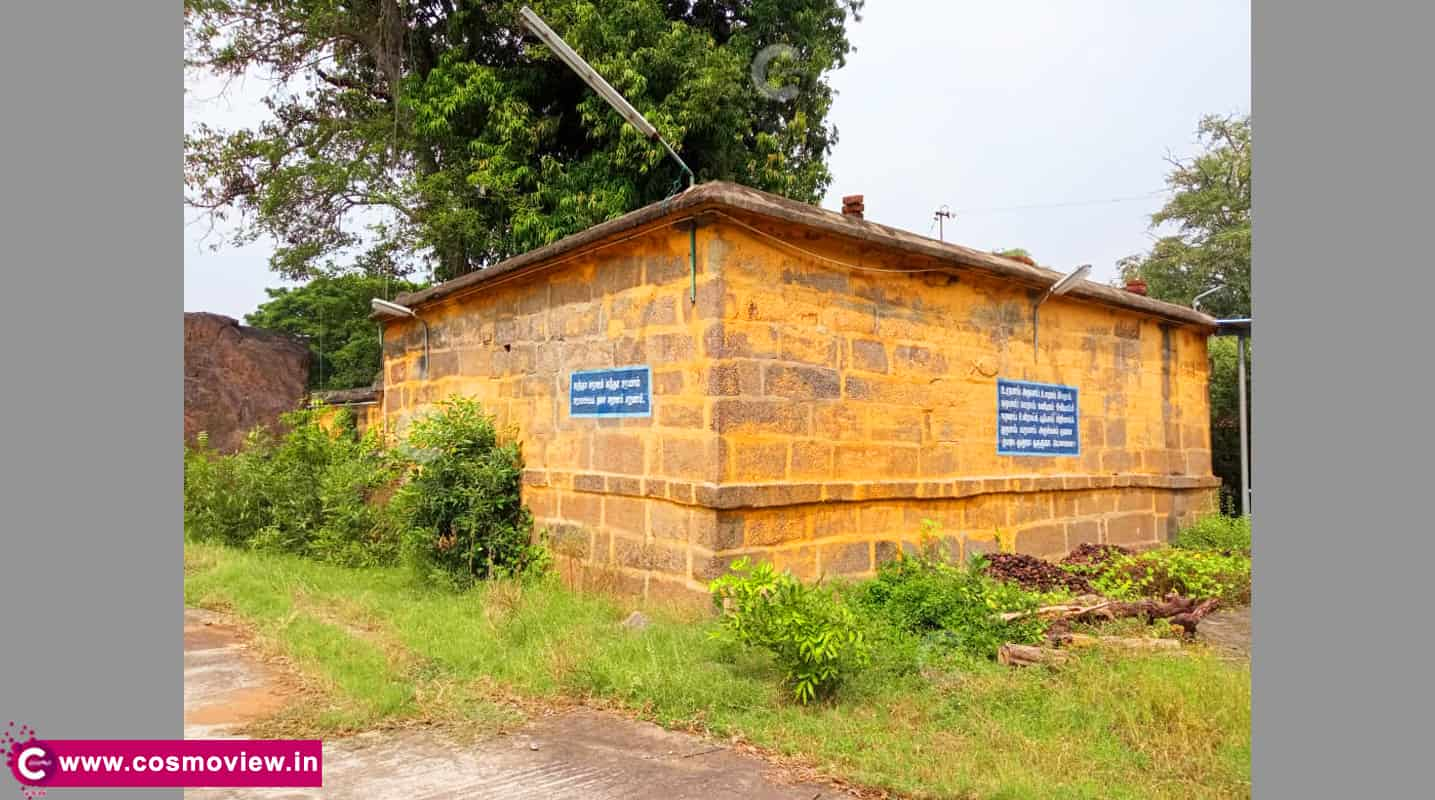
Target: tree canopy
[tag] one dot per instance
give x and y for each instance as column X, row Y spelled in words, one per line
column 1211, row 207
column 331, row 313
column 440, row 135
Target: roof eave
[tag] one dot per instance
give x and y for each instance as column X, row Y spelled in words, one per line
column 722, row 195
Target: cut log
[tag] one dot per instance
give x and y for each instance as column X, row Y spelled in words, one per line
column 1081, row 640
column 1025, row 655
column 1186, row 612
column 1061, row 611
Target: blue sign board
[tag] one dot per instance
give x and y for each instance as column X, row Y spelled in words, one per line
column 620, row 392
column 1037, row 419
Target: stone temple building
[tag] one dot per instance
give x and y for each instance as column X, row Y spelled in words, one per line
column 729, row 373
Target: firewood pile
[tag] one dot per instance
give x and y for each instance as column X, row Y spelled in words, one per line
column 1183, row 612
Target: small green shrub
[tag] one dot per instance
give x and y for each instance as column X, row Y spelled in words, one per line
column 1190, row 573
column 924, row 595
column 1217, row 532
column 812, row 634
column 461, row 510
column 224, row 494
column 307, row 493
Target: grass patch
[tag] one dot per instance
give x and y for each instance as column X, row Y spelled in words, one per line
column 389, row 652
column 1217, row 532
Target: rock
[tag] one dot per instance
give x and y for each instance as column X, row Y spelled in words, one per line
column 237, row 377
column 636, row 621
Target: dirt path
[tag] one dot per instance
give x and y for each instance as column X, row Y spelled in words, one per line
column 578, row 754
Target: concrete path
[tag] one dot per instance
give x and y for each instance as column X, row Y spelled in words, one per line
column 1228, row 630
column 578, row 754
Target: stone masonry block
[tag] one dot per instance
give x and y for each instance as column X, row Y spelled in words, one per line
column 728, row 340
column 1086, row 531
column 816, row 349
column 869, row 355
column 627, row 514
column 1132, row 528
column 734, row 378
column 750, row 460
column 1043, row 541
column 759, row 416
column 618, row 452
column 770, row 527
column 846, row 559
column 811, row 459
column 684, row 457
column 581, row 507
column 801, row 383
column 673, row 413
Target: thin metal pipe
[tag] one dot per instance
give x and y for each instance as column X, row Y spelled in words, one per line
column 1245, row 442
column 424, row 367
column 693, row 260
column 691, row 177
column 1196, row 301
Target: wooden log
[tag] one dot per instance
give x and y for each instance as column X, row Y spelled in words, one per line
column 1081, row 640
column 1025, row 655
column 1057, row 611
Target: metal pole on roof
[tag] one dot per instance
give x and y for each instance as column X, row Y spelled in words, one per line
column 620, row 104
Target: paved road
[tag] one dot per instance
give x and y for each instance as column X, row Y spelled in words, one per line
column 579, row 754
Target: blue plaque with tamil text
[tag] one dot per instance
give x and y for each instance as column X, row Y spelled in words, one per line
column 620, row 392
column 1037, row 419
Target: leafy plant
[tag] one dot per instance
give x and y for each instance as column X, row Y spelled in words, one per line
column 812, row 634
column 923, row 594
column 1191, row 573
column 461, row 507
column 309, row 492
column 1217, row 532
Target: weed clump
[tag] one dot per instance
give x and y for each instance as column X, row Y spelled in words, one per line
column 953, row 605
column 810, row 631
column 309, row 493
column 319, row 491
column 1218, row 533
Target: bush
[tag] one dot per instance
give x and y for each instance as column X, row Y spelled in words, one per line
column 1219, row 533
column 923, row 595
column 812, row 634
column 1190, row 573
column 461, row 510
column 308, row 493
column 224, row 495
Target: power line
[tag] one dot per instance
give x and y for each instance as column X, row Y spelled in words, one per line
column 1069, row 204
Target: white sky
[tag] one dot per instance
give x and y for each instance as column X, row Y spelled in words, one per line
column 976, row 105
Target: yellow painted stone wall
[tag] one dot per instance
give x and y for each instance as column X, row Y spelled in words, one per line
column 877, row 388
column 806, row 412
column 621, row 492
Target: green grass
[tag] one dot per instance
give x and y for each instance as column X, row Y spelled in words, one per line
column 1217, row 532
column 386, row 652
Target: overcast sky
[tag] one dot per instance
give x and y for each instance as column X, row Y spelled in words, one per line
column 988, row 108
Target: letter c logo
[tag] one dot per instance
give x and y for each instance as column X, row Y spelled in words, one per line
column 765, row 56
column 22, row 763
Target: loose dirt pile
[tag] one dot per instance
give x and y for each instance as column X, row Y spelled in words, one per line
column 1092, row 555
column 1033, row 574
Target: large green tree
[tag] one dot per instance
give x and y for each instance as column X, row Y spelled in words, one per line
column 1210, row 248
column 1210, row 208
column 439, row 134
column 331, row 314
